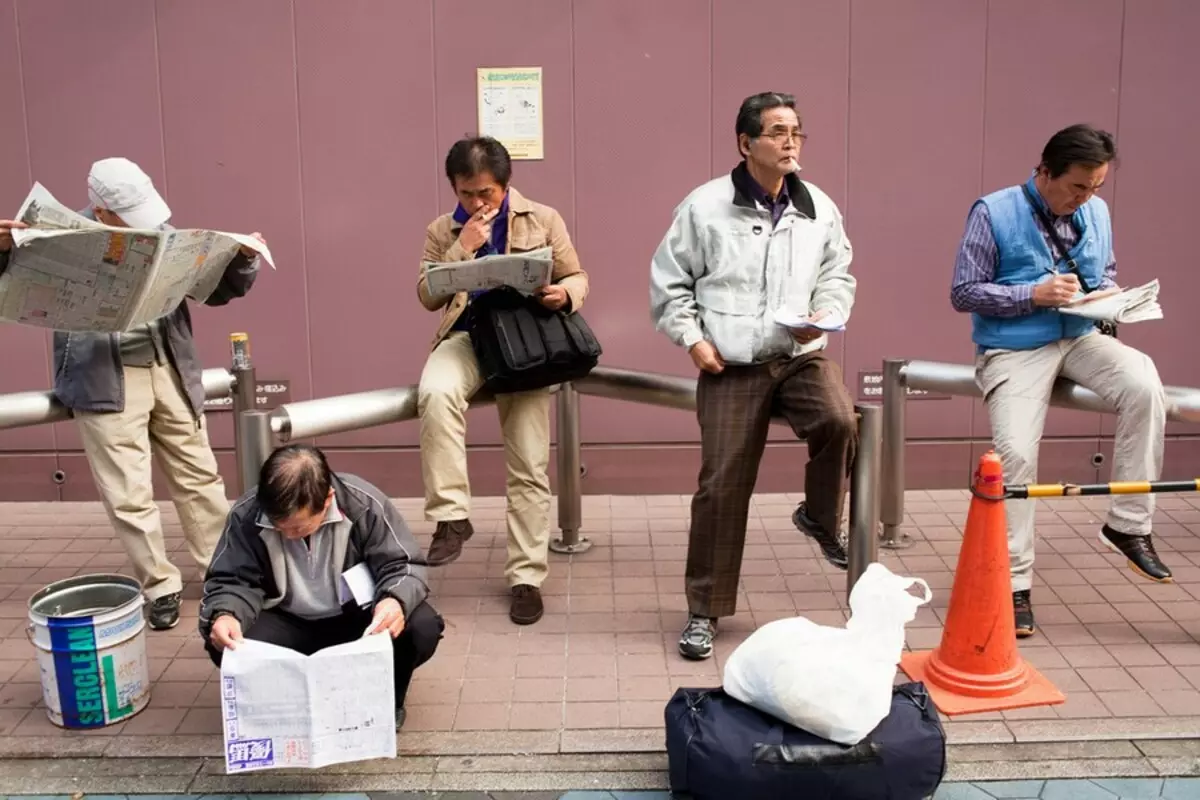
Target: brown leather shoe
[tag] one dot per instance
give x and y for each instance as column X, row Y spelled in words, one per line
column 448, row 541
column 527, row 607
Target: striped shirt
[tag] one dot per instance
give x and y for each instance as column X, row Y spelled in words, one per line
column 974, row 289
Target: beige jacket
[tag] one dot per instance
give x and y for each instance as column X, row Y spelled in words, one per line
column 530, row 226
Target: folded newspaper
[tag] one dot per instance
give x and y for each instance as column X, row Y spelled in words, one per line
column 71, row 273
column 524, row 271
column 280, row 708
column 1131, row 305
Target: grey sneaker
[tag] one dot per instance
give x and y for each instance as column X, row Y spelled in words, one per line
column 401, row 716
column 696, row 641
column 164, row 612
column 448, row 541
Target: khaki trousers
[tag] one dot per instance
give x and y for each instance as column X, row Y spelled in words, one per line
column 158, row 421
column 450, row 378
column 1016, row 386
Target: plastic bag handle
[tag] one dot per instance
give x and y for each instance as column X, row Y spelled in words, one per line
column 925, row 586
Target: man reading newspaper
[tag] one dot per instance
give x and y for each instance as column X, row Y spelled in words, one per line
column 286, row 570
column 138, row 394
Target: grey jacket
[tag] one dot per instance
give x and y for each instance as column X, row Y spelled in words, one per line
column 247, row 574
column 88, row 375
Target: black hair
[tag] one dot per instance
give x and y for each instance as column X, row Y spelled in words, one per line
column 296, row 477
column 749, row 117
column 470, row 157
column 1078, row 144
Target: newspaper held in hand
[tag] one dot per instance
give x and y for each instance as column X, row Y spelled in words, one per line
column 790, row 319
column 283, row 709
column 524, row 271
column 69, row 273
column 1131, row 305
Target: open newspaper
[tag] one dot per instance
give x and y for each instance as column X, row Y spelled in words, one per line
column 1131, row 305
column 524, row 271
column 284, row 709
column 71, row 273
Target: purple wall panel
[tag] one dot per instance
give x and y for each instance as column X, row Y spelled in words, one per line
column 915, row 148
column 26, row 359
column 233, row 163
column 73, row 119
column 642, row 92
column 306, row 120
column 505, row 42
column 366, row 96
column 1157, row 135
column 1029, row 99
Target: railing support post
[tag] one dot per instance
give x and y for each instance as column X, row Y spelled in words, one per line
column 244, row 384
column 257, row 444
column 895, row 402
column 863, row 541
column 570, row 475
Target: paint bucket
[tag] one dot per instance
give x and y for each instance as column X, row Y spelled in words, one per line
column 91, row 649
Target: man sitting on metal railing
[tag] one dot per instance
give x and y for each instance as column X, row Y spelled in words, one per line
column 1028, row 250
column 139, row 394
column 740, row 249
column 491, row 218
column 277, row 575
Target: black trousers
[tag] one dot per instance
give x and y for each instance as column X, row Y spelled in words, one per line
column 423, row 630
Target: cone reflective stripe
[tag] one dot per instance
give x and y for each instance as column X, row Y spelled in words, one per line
column 977, row 666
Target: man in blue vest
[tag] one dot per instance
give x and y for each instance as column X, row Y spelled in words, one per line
column 1027, row 251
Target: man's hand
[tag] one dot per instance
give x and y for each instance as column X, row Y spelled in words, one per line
column 552, row 297
column 226, row 632
column 478, row 230
column 1058, row 291
column 389, row 616
column 250, row 252
column 706, row 357
column 806, row 335
column 6, row 228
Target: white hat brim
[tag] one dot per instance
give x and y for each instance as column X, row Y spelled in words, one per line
column 148, row 215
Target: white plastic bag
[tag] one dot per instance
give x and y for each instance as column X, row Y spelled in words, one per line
column 832, row 682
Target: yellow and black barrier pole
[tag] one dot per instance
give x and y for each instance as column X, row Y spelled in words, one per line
column 1042, row 490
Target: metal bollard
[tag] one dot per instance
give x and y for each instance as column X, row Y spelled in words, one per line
column 257, row 442
column 895, row 402
column 863, row 542
column 244, row 384
column 570, row 475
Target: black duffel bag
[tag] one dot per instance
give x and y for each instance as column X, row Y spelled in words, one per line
column 719, row 748
column 521, row 345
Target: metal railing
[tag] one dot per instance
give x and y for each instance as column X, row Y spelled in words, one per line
column 23, row 409
column 260, row 432
column 1183, row 405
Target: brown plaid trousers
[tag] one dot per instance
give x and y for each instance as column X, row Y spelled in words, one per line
column 734, row 408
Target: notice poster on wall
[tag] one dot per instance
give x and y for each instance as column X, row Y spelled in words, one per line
column 510, row 109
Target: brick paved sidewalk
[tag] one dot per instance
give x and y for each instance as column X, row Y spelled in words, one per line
column 595, row 673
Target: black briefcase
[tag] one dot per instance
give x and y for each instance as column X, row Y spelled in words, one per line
column 718, row 748
column 521, row 345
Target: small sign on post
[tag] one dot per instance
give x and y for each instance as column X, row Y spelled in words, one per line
column 268, row 395
column 870, row 387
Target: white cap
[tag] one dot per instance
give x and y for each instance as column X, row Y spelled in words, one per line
column 121, row 186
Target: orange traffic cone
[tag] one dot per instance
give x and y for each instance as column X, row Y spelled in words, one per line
column 977, row 668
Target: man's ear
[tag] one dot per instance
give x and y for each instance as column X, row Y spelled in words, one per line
column 744, row 144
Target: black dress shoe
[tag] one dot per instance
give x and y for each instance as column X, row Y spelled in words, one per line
column 1023, row 614
column 1140, row 552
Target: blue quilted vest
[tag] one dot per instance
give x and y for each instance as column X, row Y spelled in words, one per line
column 1026, row 258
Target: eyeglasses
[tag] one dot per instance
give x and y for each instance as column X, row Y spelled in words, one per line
column 781, row 135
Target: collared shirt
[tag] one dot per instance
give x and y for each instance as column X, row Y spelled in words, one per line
column 143, row 346
column 776, row 205
column 974, row 289
column 312, row 576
